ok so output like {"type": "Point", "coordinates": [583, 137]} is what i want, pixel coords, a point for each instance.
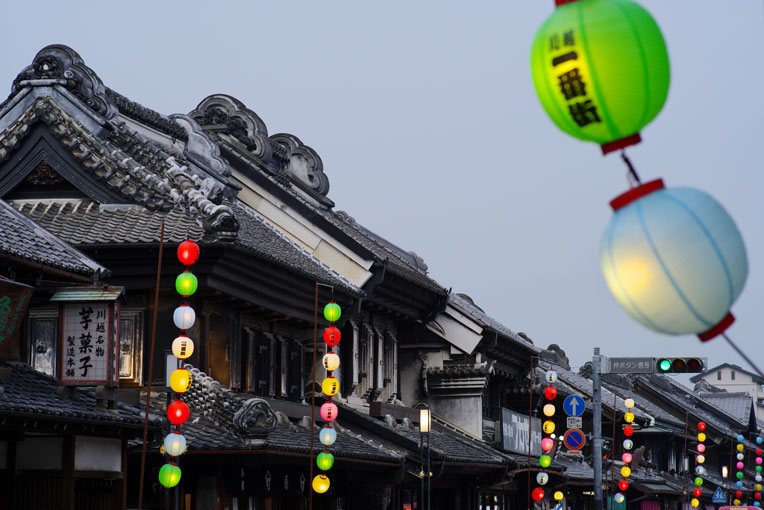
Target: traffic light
{"type": "Point", "coordinates": [678, 365]}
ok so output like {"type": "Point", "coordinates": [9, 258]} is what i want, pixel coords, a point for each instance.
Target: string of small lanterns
{"type": "Point", "coordinates": [330, 386]}
{"type": "Point", "coordinates": [757, 495]}
{"type": "Point", "coordinates": [740, 447]}
{"type": "Point", "coordinates": [700, 470]}
{"type": "Point", "coordinates": [547, 443]}
{"type": "Point", "coordinates": [175, 443]}
{"type": "Point", "coordinates": [626, 457]}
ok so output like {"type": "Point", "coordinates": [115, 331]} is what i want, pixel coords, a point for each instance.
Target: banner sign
{"type": "Point", "coordinates": [89, 344]}
{"type": "Point", "coordinates": [14, 301]}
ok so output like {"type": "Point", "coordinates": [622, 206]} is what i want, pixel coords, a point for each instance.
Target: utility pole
{"type": "Point", "coordinates": [597, 426]}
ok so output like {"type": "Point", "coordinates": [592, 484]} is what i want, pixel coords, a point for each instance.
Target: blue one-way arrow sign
{"type": "Point", "coordinates": [719, 496]}
{"type": "Point", "coordinates": [574, 405]}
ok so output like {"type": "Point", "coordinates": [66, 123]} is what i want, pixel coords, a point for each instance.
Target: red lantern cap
{"type": "Point", "coordinates": [635, 194]}
{"type": "Point", "coordinates": [717, 330]}
{"type": "Point", "coordinates": [188, 252]}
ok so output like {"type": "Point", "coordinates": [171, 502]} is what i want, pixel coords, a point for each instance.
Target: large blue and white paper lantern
{"type": "Point", "coordinates": [674, 259]}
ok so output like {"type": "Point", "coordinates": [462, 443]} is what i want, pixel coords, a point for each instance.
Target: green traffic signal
{"type": "Point", "coordinates": [678, 365]}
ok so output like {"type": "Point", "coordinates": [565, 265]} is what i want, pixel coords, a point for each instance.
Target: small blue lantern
{"type": "Point", "coordinates": [674, 259]}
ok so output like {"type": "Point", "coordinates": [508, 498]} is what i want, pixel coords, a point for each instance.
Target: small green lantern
{"type": "Point", "coordinates": [325, 461]}
{"type": "Point", "coordinates": [758, 469]}
{"type": "Point", "coordinates": [332, 312]}
{"type": "Point", "coordinates": [186, 283]}
{"type": "Point", "coordinates": [545, 461]}
{"type": "Point", "coordinates": [601, 70]}
{"type": "Point", "coordinates": [739, 475]}
{"type": "Point", "coordinates": [169, 475]}
{"type": "Point", "coordinates": [698, 481]}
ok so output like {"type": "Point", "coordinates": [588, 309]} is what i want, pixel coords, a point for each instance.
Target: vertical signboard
{"type": "Point", "coordinates": [89, 348]}
{"type": "Point", "coordinates": [514, 432]}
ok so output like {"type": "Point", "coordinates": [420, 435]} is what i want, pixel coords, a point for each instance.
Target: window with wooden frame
{"type": "Point", "coordinates": [42, 341]}
{"type": "Point", "coordinates": [131, 323]}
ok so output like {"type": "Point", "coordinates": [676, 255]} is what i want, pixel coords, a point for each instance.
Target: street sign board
{"type": "Point", "coordinates": [719, 496]}
{"type": "Point", "coordinates": [631, 366]}
{"type": "Point", "coordinates": [574, 405]}
{"type": "Point", "coordinates": [574, 439]}
{"type": "Point", "coordinates": [575, 422]}
{"type": "Point", "coordinates": [514, 432]}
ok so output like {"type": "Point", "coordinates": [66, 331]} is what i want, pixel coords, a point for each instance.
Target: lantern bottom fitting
{"type": "Point", "coordinates": [717, 330]}
{"type": "Point", "coordinates": [621, 143]}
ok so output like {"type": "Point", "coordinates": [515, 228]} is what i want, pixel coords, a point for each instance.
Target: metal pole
{"type": "Point", "coordinates": [429, 476]}
{"type": "Point", "coordinates": [313, 397]}
{"type": "Point", "coordinates": [421, 466]}
{"type": "Point", "coordinates": [597, 426]}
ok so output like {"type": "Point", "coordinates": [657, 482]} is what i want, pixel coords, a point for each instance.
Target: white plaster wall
{"type": "Point", "coordinates": [97, 454]}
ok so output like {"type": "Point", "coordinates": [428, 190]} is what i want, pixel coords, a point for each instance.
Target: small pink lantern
{"type": "Point", "coordinates": [626, 457]}
{"type": "Point", "coordinates": [701, 448]}
{"type": "Point", "coordinates": [758, 460]}
{"type": "Point", "coordinates": [547, 444]}
{"type": "Point", "coordinates": [740, 465]}
{"type": "Point", "coordinates": [329, 411]}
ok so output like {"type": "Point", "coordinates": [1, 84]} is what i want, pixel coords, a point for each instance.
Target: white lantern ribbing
{"type": "Point", "coordinates": [184, 317]}
{"type": "Point", "coordinates": [674, 259]}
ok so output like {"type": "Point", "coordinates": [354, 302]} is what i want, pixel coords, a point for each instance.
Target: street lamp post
{"type": "Point", "coordinates": [424, 433]}
{"type": "Point", "coordinates": [725, 474]}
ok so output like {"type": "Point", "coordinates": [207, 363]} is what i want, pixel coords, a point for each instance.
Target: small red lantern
{"type": "Point", "coordinates": [757, 496]}
{"type": "Point", "coordinates": [177, 412]}
{"type": "Point", "coordinates": [702, 425]}
{"type": "Point", "coordinates": [697, 492]}
{"type": "Point", "coordinates": [550, 392]}
{"type": "Point", "coordinates": [331, 336]}
{"type": "Point", "coordinates": [188, 252]}
{"type": "Point", "coordinates": [758, 452]}
{"type": "Point", "coordinates": [628, 430]}
{"type": "Point", "coordinates": [738, 494]}
{"type": "Point", "coordinates": [537, 494]}
{"type": "Point", "coordinates": [623, 485]}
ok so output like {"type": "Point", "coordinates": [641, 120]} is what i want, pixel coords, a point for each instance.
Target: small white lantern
{"type": "Point", "coordinates": [184, 317]}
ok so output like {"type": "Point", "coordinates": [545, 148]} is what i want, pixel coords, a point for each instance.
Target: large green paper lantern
{"type": "Point", "coordinates": [601, 70]}
{"type": "Point", "coordinates": [674, 260]}
{"type": "Point", "coordinates": [169, 475]}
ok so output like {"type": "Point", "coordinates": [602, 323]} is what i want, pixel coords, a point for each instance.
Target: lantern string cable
{"type": "Point", "coordinates": [744, 356]}
{"type": "Point", "coordinates": [632, 171]}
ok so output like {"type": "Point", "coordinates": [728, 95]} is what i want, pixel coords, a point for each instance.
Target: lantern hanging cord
{"type": "Point", "coordinates": [739, 351]}
{"type": "Point", "coordinates": [632, 171]}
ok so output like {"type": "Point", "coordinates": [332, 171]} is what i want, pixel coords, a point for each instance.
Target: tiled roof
{"type": "Point", "coordinates": [473, 311]}
{"type": "Point", "coordinates": [211, 426]}
{"type": "Point", "coordinates": [28, 393]}
{"type": "Point", "coordinates": [738, 404]}
{"type": "Point", "coordinates": [446, 443]}
{"type": "Point", "coordinates": [22, 237]}
{"type": "Point", "coordinates": [86, 223]}
{"type": "Point", "coordinates": [755, 377]}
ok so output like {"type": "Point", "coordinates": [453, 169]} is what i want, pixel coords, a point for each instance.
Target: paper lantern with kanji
{"type": "Point", "coordinates": [674, 259]}
{"type": "Point", "coordinates": [329, 411]}
{"type": "Point", "coordinates": [601, 70]}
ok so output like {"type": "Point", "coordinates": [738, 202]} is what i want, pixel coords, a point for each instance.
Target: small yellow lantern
{"type": "Point", "coordinates": [625, 471]}
{"type": "Point", "coordinates": [548, 427]}
{"type": "Point", "coordinates": [180, 380]}
{"type": "Point", "coordinates": [330, 386]}
{"type": "Point", "coordinates": [628, 417]}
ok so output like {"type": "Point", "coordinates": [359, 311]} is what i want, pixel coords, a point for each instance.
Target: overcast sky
{"type": "Point", "coordinates": [431, 134]}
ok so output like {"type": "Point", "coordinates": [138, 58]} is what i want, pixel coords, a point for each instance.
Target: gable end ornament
{"type": "Point", "coordinates": [60, 65]}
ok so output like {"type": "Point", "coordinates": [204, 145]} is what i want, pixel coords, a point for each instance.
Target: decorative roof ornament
{"type": "Point", "coordinates": [255, 419]}
{"type": "Point", "coordinates": [200, 149]}
{"type": "Point", "coordinates": [303, 164]}
{"type": "Point", "coordinates": [224, 114]}
{"type": "Point", "coordinates": [60, 65]}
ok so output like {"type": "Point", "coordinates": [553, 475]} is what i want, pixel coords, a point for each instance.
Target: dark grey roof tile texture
{"type": "Point", "coordinates": [21, 237]}
{"type": "Point", "coordinates": [30, 393]}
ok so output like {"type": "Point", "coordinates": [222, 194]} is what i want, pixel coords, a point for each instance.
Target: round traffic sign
{"type": "Point", "coordinates": [574, 439]}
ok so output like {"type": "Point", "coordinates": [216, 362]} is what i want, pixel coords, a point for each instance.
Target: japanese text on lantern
{"type": "Point", "coordinates": [562, 48]}
{"type": "Point", "coordinates": [86, 342]}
